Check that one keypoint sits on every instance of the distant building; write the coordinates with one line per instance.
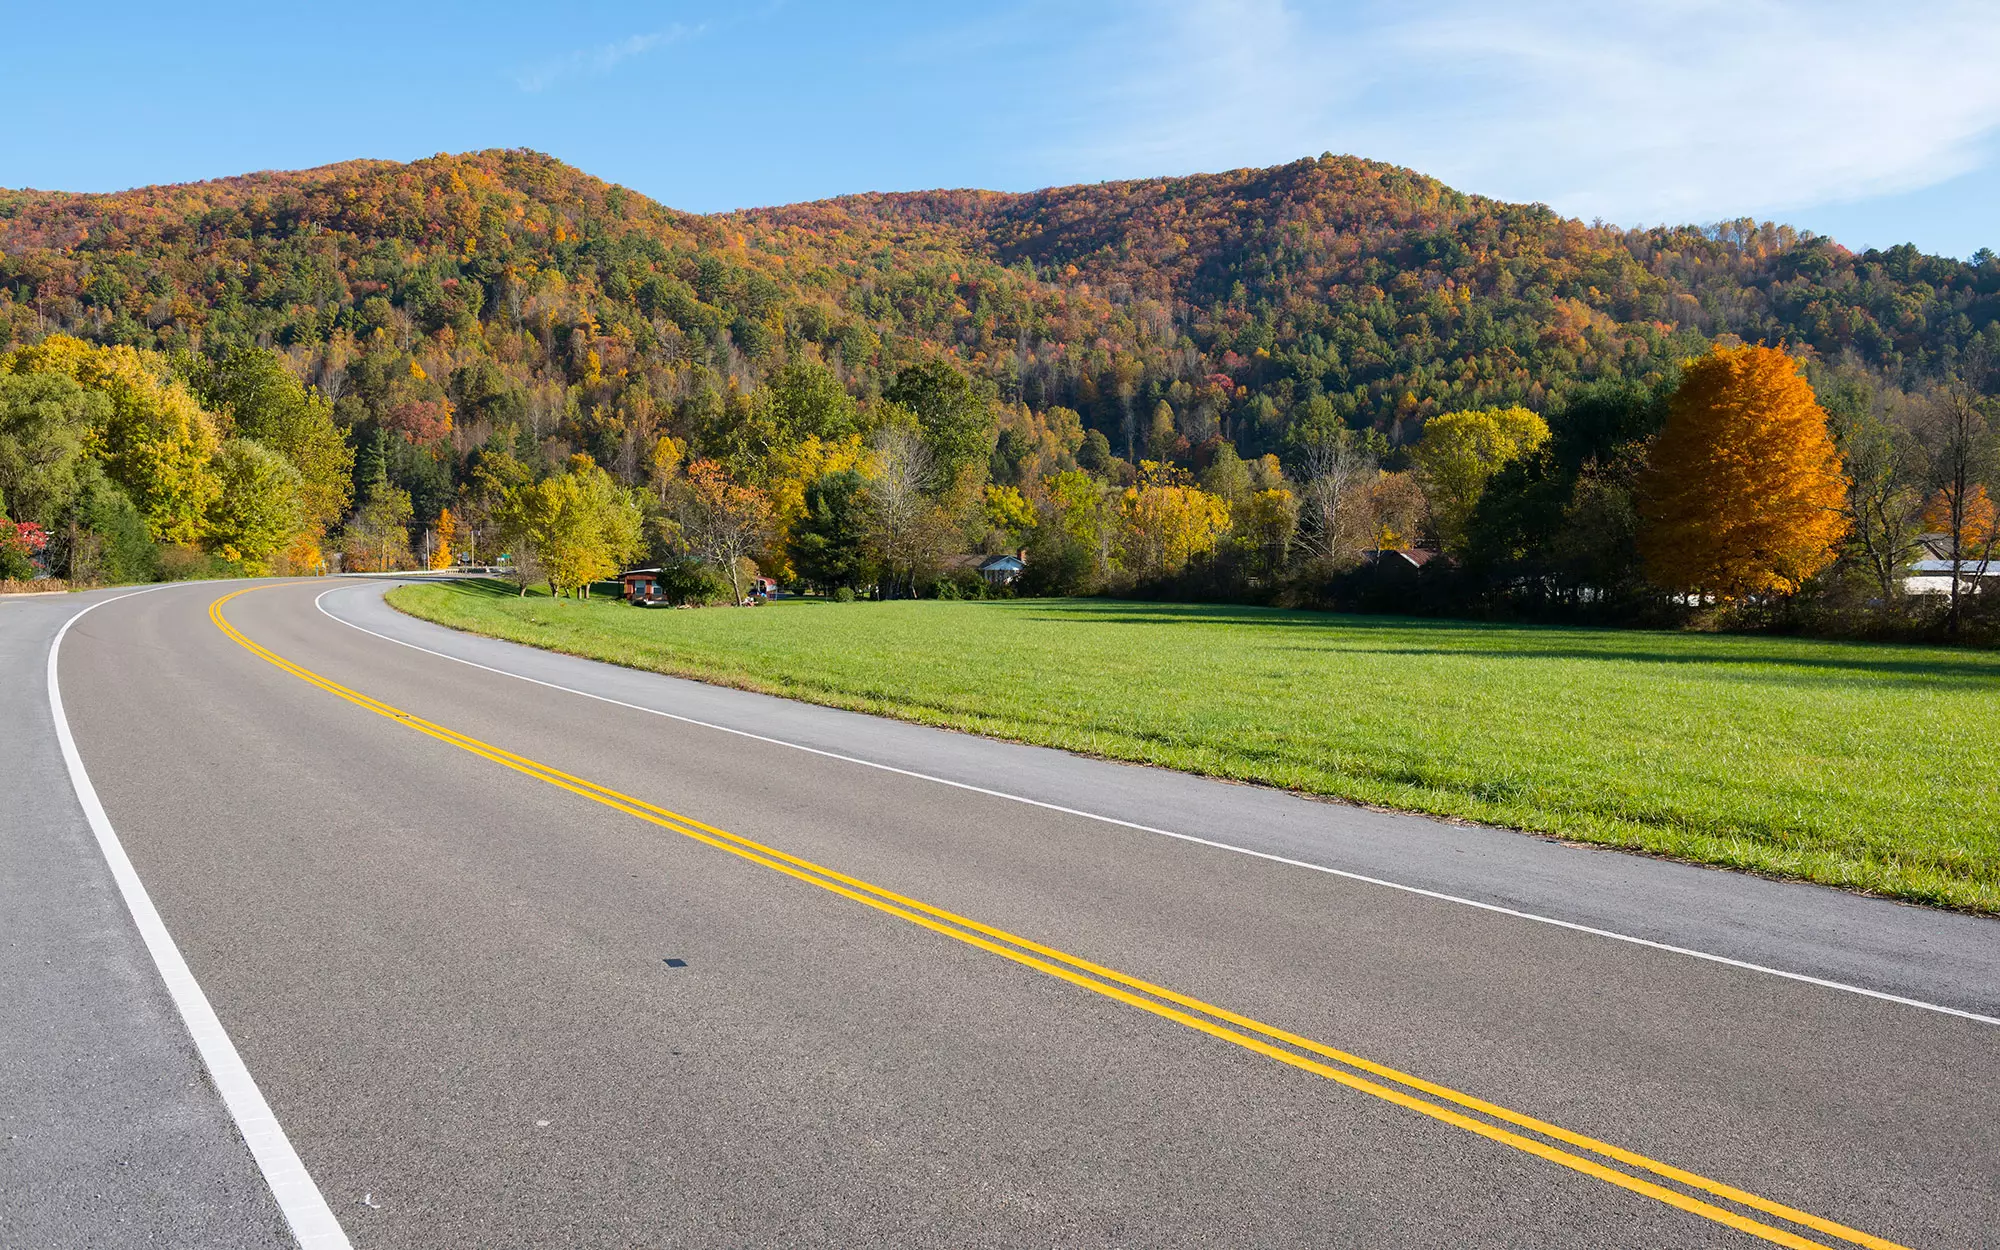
(1932, 575)
(1002, 570)
(641, 585)
(1399, 558)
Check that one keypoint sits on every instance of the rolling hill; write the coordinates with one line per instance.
(475, 291)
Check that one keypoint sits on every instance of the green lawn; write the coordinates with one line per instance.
(1875, 767)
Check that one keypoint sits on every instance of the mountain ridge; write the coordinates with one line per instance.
(1242, 301)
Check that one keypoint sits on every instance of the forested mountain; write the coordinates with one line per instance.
(1235, 375)
(526, 290)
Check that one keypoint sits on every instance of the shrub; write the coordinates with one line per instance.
(843, 594)
(184, 562)
(691, 581)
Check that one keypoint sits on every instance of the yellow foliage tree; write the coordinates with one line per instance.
(447, 537)
(1263, 529)
(579, 525)
(1743, 490)
(665, 461)
(1009, 512)
(1460, 452)
(790, 470)
(158, 443)
(1167, 521)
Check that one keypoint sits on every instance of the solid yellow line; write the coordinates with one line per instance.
(988, 938)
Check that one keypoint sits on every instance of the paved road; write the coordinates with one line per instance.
(449, 976)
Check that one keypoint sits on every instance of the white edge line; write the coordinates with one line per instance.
(305, 1208)
(1188, 837)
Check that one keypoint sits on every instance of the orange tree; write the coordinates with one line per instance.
(1743, 489)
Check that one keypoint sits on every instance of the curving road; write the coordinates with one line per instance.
(600, 958)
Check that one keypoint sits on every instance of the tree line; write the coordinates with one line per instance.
(1735, 488)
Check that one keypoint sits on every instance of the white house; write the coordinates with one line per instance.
(1932, 575)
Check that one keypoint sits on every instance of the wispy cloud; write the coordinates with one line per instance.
(1664, 110)
(600, 60)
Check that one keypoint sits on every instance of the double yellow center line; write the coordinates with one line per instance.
(1614, 1165)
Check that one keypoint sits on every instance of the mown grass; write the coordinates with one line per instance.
(1863, 766)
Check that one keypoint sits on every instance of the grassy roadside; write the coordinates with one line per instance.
(1863, 766)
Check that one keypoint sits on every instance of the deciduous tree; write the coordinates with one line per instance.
(1460, 452)
(1965, 455)
(442, 556)
(909, 532)
(1743, 491)
(1168, 522)
(45, 421)
(955, 416)
(1337, 468)
(264, 400)
(723, 523)
(258, 512)
(579, 524)
(377, 537)
(156, 441)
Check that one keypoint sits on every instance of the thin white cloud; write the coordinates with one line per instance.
(1664, 110)
(600, 60)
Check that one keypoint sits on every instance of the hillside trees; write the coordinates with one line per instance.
(460, 326)
(1743, 490)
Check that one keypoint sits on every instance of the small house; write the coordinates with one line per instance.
(1001, 570)
(641, 585)
(1400, 559)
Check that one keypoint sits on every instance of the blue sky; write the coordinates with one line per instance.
(1877, 123)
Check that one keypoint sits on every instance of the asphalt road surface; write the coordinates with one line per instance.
(517, 966)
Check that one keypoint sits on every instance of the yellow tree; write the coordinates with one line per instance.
(1168, 521)
(258, 513)
(1009, 513)
(1460, 452)
(156, 441)
(579, 525)
(788, 472)
(665, 461)
(1743, 490)
(1263, 528)
(447, 537)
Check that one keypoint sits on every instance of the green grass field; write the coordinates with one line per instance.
(1871, 767)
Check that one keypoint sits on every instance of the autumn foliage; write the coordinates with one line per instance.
(1743, 490)
(442, 556)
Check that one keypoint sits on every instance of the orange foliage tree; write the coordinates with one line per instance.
(447, 537)
(1743, 489)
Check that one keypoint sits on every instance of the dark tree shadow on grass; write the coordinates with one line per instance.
(1513, 641)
